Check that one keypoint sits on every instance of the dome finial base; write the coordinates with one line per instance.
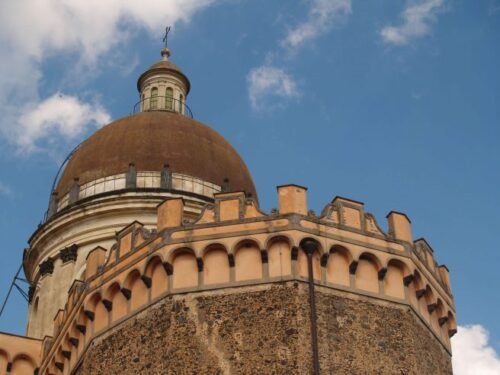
(165, 54)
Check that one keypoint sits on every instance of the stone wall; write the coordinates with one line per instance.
(360, 337)
(262, 331)
(266, 330)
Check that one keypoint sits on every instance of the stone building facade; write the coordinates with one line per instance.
(155, 258)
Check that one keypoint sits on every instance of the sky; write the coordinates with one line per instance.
(392, 103)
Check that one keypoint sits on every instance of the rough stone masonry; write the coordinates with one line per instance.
(266, 330)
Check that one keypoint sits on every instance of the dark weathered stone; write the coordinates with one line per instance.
(47, 267)
(69, 254)
(353, 267)
(126, 292)
(266, 330)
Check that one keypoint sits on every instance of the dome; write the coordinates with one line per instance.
(152, 139)
(164, 66)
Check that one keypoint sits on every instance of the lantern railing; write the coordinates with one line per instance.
(163, 103)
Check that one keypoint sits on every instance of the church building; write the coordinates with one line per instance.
(155, 258)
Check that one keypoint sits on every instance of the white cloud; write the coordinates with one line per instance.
(472, 353)
(267, 82)
(58, 116)
(33, 31)
(322, 16)
(417, 19)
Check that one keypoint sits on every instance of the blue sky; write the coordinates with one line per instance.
(393, 103)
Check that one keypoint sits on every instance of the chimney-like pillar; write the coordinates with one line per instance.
(400, 226)
(292, 199)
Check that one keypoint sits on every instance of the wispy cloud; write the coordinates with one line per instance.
(494, 8)
(5, 190)
(417, 17)
(321, 18)
(33, 31)
(270, 82)
(266, 83)
(472, 353)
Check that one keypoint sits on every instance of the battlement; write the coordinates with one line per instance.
(233, 244)
(19, 355)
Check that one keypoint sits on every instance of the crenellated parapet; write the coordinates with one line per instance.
(19, 355)
(234, 245)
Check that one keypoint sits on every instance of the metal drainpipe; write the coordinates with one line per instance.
(310, 246)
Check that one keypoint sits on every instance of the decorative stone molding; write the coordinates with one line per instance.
(69, 254)
(47, 267)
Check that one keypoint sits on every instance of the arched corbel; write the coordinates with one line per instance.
(442, 320)
(432, 307)
(381, 273)
(230, 258)
(407, 280)
(107, 304)
(324, 260)
(147, 281)
(353, 267)
(168, 268)
(199, 264)
(420, 293)
(263, 256)
(73, 341)
(126, 292)
(89, 314)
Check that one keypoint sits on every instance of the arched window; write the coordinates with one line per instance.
(154, 98)
(181, 104)
(169, 96)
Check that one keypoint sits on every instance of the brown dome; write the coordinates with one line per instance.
(152, 139)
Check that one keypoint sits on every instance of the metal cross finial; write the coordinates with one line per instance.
(165, 38)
